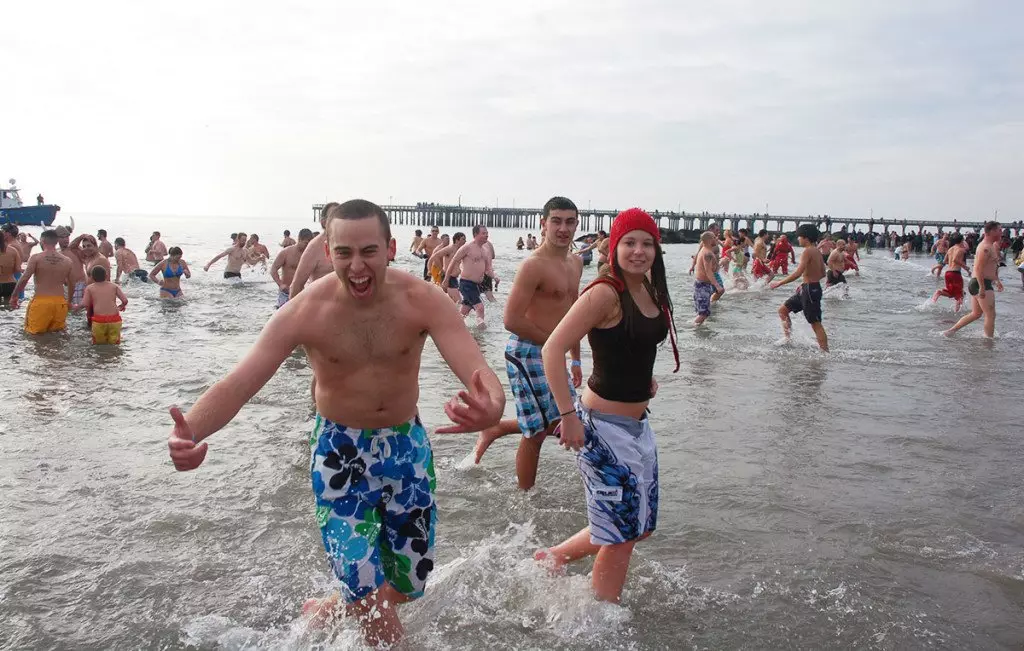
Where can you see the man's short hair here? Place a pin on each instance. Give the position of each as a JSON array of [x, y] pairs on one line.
[[305, 234], [49, 237], [234, 236], [419, 233], [991, 226], [119, 241], [287, 233], [362, 209], [762, 232], [557, 203], [808, 231], [477, 228], [101, 233], [98, 273], [458, 236]]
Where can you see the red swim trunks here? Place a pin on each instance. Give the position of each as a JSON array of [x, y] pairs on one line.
[[760, 269], [780, 263], [954, 285], [850, 263]]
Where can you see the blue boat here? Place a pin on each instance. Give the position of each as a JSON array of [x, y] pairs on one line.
[[13, 211]]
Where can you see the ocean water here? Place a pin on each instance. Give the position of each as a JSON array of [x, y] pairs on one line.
[[866, 498]]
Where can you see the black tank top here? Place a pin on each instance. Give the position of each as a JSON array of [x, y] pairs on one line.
[[624, 361]]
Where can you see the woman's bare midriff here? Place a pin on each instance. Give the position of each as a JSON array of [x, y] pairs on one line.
[[629, 409]]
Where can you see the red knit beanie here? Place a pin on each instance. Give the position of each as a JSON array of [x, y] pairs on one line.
[[627, 221]]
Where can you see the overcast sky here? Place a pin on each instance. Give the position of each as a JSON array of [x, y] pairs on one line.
[[913, 109]]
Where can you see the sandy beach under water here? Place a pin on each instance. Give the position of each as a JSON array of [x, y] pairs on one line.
[[866, 498]]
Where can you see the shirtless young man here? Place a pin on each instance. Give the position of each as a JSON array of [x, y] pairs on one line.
[[416, 240], [257, 252], [237, 256], [285, 264], [476, 263], [48, 309], [106, 249], [315, 262], [808, 298], [826, 246], [836, 266], [939, 250], [543, 290], [24, 242], [73, 252], [441, 257], [706, 282], [156, 250], [127, 262], [426, 249], [986, 272], [602, 251], [761, 268], [852, 256], [956, 258], [288, 241], [91, 257], [364, 328], [10, 264]]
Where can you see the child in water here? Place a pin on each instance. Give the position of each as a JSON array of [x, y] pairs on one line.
[[100, 303], [739, 260]]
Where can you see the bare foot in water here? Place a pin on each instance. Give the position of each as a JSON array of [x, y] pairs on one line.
[[318, 612], [484, 440], [549, 561]]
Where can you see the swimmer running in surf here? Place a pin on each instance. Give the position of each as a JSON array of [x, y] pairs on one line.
[[836, 266], [956, 258], [808, 298], [372, 467], [442, 257], [986, 273], [543, 289], [706, 279]]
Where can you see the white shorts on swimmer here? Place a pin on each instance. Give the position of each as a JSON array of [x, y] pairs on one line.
[[619, 466]]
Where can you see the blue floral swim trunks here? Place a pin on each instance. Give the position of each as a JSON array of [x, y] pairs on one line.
[[374, 492]]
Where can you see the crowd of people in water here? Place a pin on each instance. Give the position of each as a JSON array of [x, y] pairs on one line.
[[363, 324]]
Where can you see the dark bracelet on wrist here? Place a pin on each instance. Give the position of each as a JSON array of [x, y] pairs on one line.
[[564, 414]]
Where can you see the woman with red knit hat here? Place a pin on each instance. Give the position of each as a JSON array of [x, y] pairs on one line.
[[625, 314]]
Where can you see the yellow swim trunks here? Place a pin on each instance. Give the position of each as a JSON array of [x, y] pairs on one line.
[[436, 275], [46, 314], [106, 329]]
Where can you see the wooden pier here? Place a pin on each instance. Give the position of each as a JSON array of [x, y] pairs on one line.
[[453, 216]]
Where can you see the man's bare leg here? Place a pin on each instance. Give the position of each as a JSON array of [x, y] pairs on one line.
[[819, 332], [967, 319], [528, 458], [787, 324], [377, 614], [988, 307], [492, 434], [479, 314]]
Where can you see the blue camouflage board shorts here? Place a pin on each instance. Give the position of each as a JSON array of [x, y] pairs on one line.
[[374, 492], [619, 466], [702, 293], [535, 406]]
